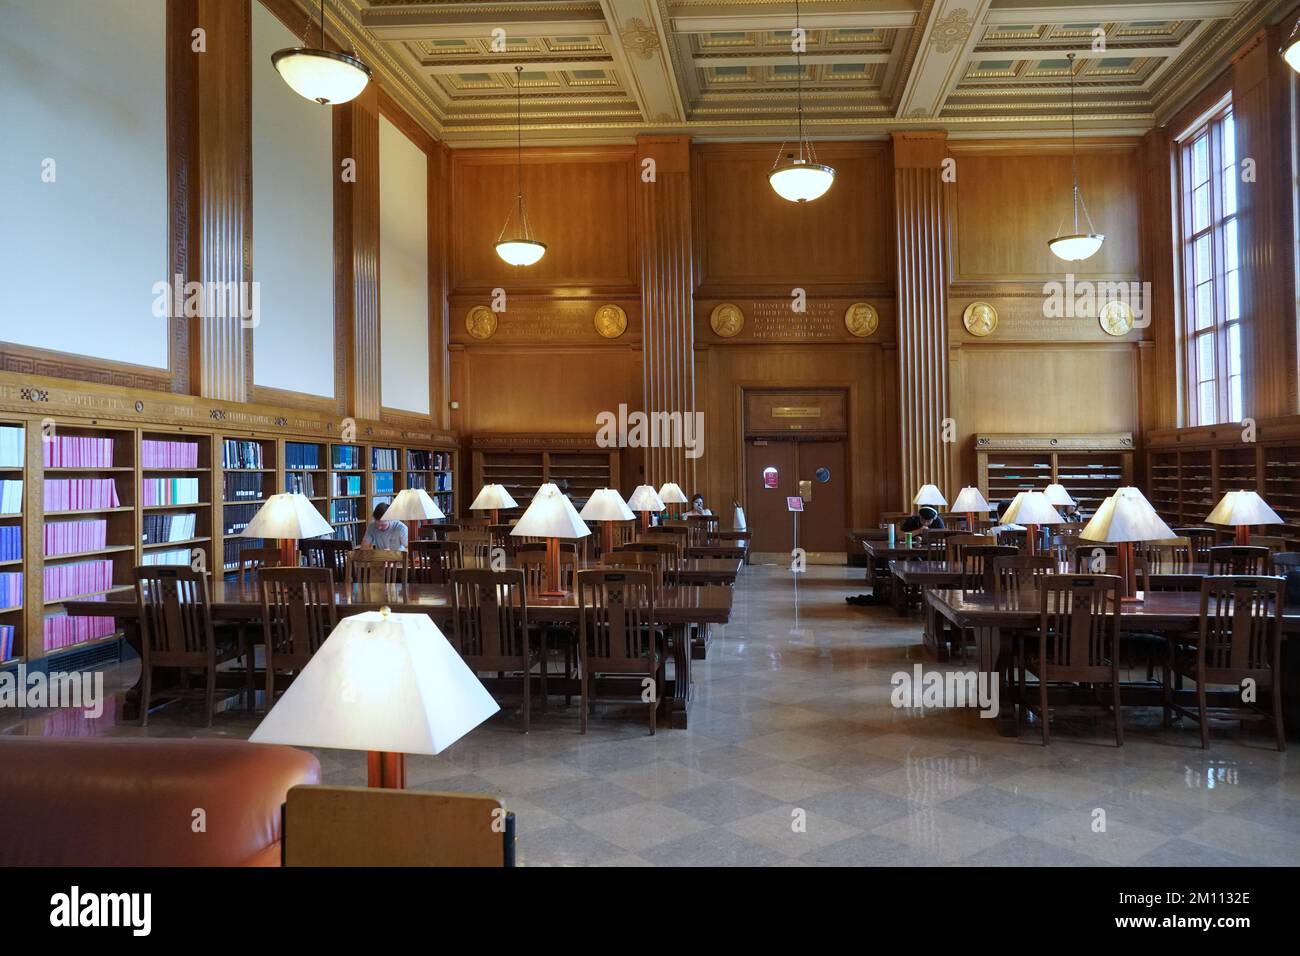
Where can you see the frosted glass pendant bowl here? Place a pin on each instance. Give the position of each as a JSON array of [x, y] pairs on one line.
[[521, 252], [322, 76], [1076, 247], [801, 181], [1291, 52]]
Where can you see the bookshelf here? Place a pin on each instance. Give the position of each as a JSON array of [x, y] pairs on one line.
[[248, 477], [89, 534], [13, 489], [1190, 469], [176, 498], [523, 463], [1090, 467], [347, 491], [385, 474], [435, 472], [306, 472]]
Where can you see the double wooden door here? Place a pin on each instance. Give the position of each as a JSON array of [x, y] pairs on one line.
[[777, 469]]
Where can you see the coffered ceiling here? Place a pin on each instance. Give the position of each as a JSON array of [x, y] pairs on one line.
[[605, 70]]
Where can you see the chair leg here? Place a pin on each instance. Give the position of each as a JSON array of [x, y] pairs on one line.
[[1119, 720], [1201, 710], [1042, 703], [654, 700], [1167, 685], [583, 697], [210, 678], [1279, 731], [528, 684], [146, 682], [545, 665]]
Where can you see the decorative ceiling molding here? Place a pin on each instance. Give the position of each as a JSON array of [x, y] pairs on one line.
[[598, 71]]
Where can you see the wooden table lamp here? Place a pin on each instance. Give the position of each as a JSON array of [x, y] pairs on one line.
[[1124, 518], [671, 494], [606, 505], [551, 515], [1030, 509], [413, 505], [389, 684], [970, 502], [1240, 510], [493, 498], [647, 501], [288, 517]]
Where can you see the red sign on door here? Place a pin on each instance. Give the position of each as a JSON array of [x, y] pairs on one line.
[[794, 503], [769, 477]]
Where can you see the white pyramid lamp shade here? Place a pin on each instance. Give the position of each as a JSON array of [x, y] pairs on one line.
[[390, 684], [413, 505], [672, 494], [970, 502], [930, 495], [606, 506], [1124, 518], [1031, 508], [551, 515], [493, 498], [1057, 495], [645, 500], [1241, 510], [288, 518]]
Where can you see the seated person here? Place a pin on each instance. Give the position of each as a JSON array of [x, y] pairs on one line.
[[926, 519], [697, 505], [384, 535]]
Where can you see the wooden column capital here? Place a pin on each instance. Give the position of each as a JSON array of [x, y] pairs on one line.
[[919, 149]]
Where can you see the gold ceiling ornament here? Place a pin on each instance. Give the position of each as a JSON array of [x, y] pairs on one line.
[[951, 31], [861, 319], [610, 321], [640, 38], [481, 323], [1116, 318], [980, 319], [727, 320]]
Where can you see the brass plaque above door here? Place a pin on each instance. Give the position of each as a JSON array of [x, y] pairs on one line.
[[817, 413]]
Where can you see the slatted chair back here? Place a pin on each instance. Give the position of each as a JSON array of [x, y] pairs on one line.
[[1021, 572], [702, 527], [252, 560], [329, 553], [1272, 542], [437, 531], [1241, 627], [490, 618], [1202, 540], [955, 544], [624, 532], [1239, 559], [531, 559], [1017, 539], [935, 542], [1093, 557], [175, 616], [650, 561], [375, 566], [1171, 556], [299, 611], [670, 550], [1079, 627], [431, 562], [616, 631], [977, 565], [475, 547]]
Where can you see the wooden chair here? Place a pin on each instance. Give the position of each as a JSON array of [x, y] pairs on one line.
[[672, 554], [955, 544], [176, 631], [251, 560], [1016, 539], [329, 553], [624, 532], [977, 565], [701, 528], [1094, 558], [617, 640], [1238, 559], [1240, 639], [1202, 540], [1272, 542], [375, 566], [475, 547], [531, 559], [431, 562], [935, 542], [1284, 561], [1078, 642], [437, 531], [651, 561], [1173, 556], [490, 627], [1020, 573], [298, 614]]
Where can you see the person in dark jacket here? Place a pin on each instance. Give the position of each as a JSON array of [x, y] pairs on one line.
[[926, 519]]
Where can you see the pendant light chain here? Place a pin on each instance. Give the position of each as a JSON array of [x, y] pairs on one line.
[[525, 232], [1074, 159], [322, 24], [798, 77]]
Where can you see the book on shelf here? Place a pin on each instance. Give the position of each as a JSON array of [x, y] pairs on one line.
[[6, 641], [299, 454], [169, 556], [11, 589], [350, 533], [168, 454], [77, 451], [161, 528], [64, 631], [231, 549], [11, 446], [383, 459], [344, 486], [74, 537], [11, 542], [345, 509], [417, 460], [300, 483], [238, 453], [74, 494], [171, 491], [384, 482], [442, 481], [243, 487], [235, 518], [347, 457], [11, 496], [80, 577]]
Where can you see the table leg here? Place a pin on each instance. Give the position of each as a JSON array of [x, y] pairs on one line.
[[677, 701]]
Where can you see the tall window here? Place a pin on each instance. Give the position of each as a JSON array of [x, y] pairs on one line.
[[1211, 270]]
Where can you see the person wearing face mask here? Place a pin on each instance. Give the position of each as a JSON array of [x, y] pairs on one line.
[[384, 535]]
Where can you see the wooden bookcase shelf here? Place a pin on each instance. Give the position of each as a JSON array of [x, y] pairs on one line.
[[1090, 467], [522, 463], [248, 477], [14, 580], [1190, 469]]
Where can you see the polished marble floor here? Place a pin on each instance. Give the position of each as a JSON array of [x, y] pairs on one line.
[[795, 757]]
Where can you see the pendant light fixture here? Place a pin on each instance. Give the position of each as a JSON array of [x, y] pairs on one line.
[[1076, 245], [522, 249], [1291, 50], [799, 177], [318, 74]]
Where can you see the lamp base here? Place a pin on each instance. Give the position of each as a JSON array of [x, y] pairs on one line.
[[288, 553], [553, 588], [386, 770], [1242, 535]]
